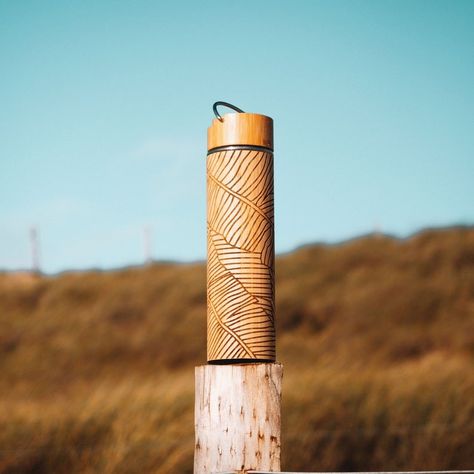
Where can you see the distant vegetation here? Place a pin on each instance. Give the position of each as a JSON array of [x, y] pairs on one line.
[[376, 335]]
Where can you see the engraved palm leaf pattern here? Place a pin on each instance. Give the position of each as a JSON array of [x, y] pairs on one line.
[[240, 268]]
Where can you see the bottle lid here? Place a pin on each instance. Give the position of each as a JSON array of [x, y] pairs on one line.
[[241, 128]]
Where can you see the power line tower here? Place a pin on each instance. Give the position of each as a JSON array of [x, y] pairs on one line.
[[147, 244], [35, 254]]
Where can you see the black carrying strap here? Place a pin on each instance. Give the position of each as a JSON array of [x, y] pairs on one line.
[[224, 104]]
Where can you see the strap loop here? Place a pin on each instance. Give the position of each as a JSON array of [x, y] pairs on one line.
[[224, 104]]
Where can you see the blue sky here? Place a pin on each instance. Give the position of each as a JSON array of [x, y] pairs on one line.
[[104, 107]]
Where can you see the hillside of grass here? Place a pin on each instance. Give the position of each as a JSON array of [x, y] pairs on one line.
[[376, 336]]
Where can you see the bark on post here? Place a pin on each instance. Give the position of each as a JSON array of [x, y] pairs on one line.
[[237, 405]]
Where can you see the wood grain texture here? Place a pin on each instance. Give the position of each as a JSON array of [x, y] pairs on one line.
[[240, 268], [237, 418], [241, 129]]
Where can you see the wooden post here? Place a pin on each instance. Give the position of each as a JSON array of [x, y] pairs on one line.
[[237, 404], [237, 418]]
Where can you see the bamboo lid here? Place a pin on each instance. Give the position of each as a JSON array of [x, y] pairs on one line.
[[241, 129]]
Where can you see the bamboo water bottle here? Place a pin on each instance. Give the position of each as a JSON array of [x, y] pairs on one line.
[[240, 238]]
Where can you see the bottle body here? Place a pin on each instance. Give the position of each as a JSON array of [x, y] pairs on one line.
[[241, 255]]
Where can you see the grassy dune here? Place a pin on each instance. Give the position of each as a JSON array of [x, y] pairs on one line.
[[376, 335]]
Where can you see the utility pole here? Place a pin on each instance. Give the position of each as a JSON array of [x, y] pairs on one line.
[[34, 244], [147, 244], [377, 229]]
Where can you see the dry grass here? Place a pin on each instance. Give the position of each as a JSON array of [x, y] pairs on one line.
[[377, 338]]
